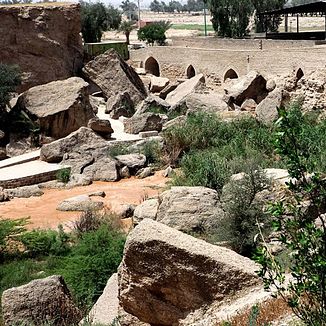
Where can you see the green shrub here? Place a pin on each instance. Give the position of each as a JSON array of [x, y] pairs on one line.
[[243, 212], [94, 258], [63, 175], [45, 242], [10, 78], [153, 152], [152, 33], [299, 226]]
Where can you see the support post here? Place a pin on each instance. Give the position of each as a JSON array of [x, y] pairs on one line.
[[286, 23], [139, 14], [205, 3], [297, 23], [325, 25]]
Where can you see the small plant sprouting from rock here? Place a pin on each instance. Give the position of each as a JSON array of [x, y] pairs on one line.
[[63, 175]]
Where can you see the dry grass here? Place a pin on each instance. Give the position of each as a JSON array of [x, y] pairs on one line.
[[269, 311]]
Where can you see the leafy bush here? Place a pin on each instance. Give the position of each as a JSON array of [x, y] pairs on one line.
[[300, 227], [96, 18], [94, 258], [244, 211], [45, 242], [10, 78], [152, 33], [63, 175]]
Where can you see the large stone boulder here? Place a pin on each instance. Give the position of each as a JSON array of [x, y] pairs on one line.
[[144, 122], [100, 126], [166, 274], [58, 108], [184, 89], [76, 141], [250, 86], [205, 102], [152, 104], [113, 75], [132, 161], [158, 84], [120, 105], [147, 209], [190, 209], [40, 302], [43, 40], [79, 203], [266, 110]]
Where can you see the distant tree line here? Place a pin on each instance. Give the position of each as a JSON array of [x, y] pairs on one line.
[[176, 6]]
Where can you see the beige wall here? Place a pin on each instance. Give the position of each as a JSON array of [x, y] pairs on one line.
[[214, 62]]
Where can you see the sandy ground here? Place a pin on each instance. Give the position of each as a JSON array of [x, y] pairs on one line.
[[42, 210]]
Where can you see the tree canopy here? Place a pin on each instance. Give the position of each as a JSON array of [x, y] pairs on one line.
[[230, 18], [96, 18]]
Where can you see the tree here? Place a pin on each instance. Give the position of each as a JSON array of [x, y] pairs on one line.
[[126, 27], [152, 33], [129, 9], [155, 6], [230, 17], [96, 18], [10, 78], [300, 227], [267, 5]]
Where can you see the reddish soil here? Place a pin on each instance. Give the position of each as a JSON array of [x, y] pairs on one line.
[[42, 210]]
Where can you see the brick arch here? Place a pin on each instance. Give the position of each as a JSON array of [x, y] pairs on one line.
[[190, 71], [230, 74], [152, 66]]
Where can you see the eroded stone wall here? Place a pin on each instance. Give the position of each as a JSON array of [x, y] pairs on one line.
[[43, 39]]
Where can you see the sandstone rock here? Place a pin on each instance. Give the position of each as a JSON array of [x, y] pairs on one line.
[[270, 85], [158, 84], [126, 211], [103, 169], [249, 105], [97, 194], [24, 192], [113, 75], [3, 195], [18, 146], [107, 310], [54, 152], [266, 111], [168, 172], [144, 173], [124, 172], [100, 126], [78, 180], [184, 89], [132, 161], [210, 103], [58, 108], [168, 89], [44, 41], [120, 105], [172, 274], [79, 203], [152, 104], [144, 122], [250, 86], [190, 209], [147, 209], [40, 302], [3, 153]]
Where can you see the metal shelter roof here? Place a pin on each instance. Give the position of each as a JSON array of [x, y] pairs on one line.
[[313, 9]]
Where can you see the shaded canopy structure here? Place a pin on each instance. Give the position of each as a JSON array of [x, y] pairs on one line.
[[315, 9]]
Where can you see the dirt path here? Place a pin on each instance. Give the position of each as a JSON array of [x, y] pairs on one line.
[[42, 210]]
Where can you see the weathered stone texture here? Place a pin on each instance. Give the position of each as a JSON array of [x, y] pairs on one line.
[[43, 40]]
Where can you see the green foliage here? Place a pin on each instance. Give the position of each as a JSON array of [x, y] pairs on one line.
[[299, 226], [244, 211], [153, 152], [10, 229], [129, 8], [230, 18], [152, 33], [97, 18], [94, 258], [10, 78], [63, 175], [126, 27], [45, 242]]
